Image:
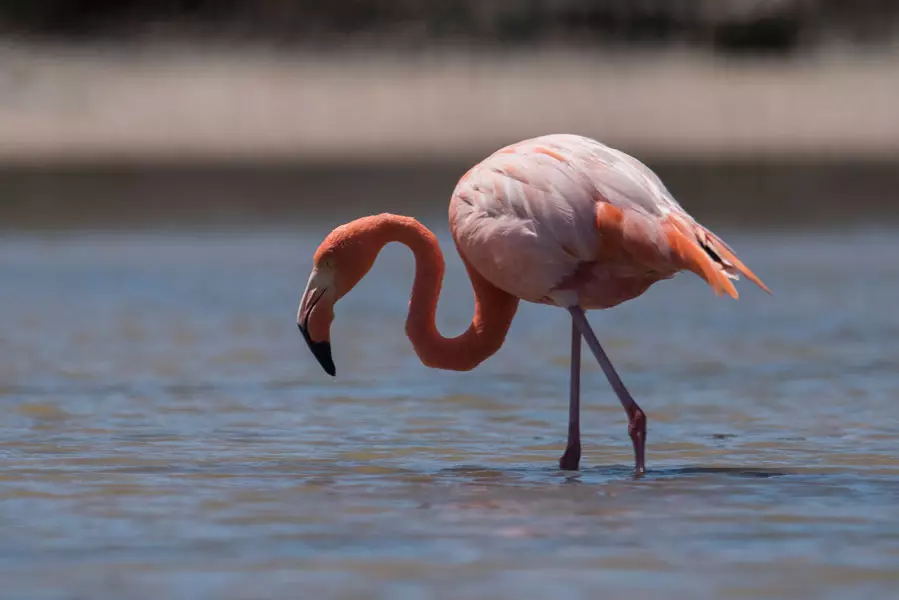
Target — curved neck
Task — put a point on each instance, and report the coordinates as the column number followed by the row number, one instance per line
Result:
column 494, row 309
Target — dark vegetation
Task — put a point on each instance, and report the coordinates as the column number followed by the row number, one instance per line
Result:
column 780, row 26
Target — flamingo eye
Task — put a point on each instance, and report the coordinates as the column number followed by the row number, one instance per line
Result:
column 325, row 263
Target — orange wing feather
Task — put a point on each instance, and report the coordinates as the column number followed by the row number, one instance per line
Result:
column 725, row 252
column 705, row 254
column 625, row 239
column 692, row 257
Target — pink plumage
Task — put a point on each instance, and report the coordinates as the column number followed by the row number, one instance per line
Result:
column 526, row 218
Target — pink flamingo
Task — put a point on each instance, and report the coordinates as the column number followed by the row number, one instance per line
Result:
column 561, row 220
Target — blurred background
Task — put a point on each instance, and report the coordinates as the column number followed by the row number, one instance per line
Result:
column 200, row 111
column 168, row 168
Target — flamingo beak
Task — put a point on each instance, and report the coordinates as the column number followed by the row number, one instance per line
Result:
column 321, row 351
column 314, row 318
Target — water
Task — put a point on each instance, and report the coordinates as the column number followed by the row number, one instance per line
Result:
column 166, row 434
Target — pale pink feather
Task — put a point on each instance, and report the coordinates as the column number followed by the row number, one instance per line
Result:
column 526, row 216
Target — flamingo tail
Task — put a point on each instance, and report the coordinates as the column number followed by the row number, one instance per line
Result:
column 704, row 253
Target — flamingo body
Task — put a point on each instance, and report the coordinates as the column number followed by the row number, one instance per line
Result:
column 565, row 220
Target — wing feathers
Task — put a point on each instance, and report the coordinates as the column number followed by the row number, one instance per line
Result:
column 704, row 253
column 535, row 213
column 729, row 258
column 686, row 250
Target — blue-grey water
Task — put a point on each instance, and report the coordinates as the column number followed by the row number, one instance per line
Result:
column 166, row 434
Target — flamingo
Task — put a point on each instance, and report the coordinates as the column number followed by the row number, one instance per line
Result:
column 560, row 219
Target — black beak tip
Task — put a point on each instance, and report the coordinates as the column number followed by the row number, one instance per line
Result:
column 322, row 352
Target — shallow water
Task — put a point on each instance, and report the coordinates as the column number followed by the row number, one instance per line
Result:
column 166, row 434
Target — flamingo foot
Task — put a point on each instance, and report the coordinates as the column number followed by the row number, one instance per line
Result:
column 571, row 459
column 637, row 431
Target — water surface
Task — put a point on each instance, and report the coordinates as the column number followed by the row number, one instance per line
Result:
column 165, row 432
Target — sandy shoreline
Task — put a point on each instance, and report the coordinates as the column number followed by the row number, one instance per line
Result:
column 214, row 106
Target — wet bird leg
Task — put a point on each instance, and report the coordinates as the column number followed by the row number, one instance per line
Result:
column 635, row 415
column 572, row 456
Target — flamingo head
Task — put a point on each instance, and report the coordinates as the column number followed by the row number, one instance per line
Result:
column 340, row 262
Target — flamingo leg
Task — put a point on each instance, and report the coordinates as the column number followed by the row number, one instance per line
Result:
column 572, row 456
column 635, row 415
